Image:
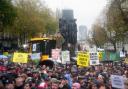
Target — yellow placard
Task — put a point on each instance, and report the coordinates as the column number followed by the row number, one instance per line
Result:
column 83, row 59
column 100, row 55
column 20, row 57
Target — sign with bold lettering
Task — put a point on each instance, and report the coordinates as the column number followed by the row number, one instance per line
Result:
column 20, row 57
column 83, row 59
column 117, row 81
column 94, row 58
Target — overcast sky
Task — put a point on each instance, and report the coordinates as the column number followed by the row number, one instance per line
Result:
column 85, row 11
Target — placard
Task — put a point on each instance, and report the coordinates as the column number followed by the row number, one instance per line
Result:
column 117, row 81
column 65, row 56
column 94, row 58
column 35, row 56
column 20, row 57
column 83, row 59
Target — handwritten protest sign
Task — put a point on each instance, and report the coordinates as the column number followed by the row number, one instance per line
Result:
column 117, row 81
column 65, row 56
column 20, row 57
column 94, row 58
column 83, row 59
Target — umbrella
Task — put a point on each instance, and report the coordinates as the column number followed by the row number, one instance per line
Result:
column 3, row 57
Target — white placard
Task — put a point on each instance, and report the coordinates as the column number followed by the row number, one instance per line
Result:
column 65, row 56
column 35, row 56
column 94, row 58
column 117, row 81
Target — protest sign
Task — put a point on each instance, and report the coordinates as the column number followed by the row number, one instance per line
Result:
column 35, row 56
column 83, row 59
column 94, row 58
column 55, row 54
column 117, row 81
column 65, row 56
column 20, row 57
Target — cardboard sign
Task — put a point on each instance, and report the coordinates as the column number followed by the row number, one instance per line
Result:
column 35, row 56
column 117, row 81
column 83, row 59
column 20, row 57
column 65, row 56
column 94, row 58
column 55, row 53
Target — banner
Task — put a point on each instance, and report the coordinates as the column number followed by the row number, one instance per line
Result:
column 117, row 81
column 35, row 56
column 83, row 59
column 94, row 58
column 65, row 56
column 55, row 54
column 114, row 56
column 20, row 57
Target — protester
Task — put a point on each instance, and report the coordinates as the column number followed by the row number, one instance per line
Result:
column 31, row 76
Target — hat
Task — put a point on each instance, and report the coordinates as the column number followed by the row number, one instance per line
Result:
column 54, row 80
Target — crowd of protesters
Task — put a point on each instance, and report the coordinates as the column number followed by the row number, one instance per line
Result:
column 31, row 76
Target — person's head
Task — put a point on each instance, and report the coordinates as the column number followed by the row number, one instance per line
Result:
column 19, row 82
column 1, row 85
column 126, row 83
column 100, row 78
column 9, row 85
column 27, row 86
column 101, row 86
column 76, row 86
column 54, row 83
column 93, row 86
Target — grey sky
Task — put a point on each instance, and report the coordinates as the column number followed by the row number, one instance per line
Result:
column 85, row 11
